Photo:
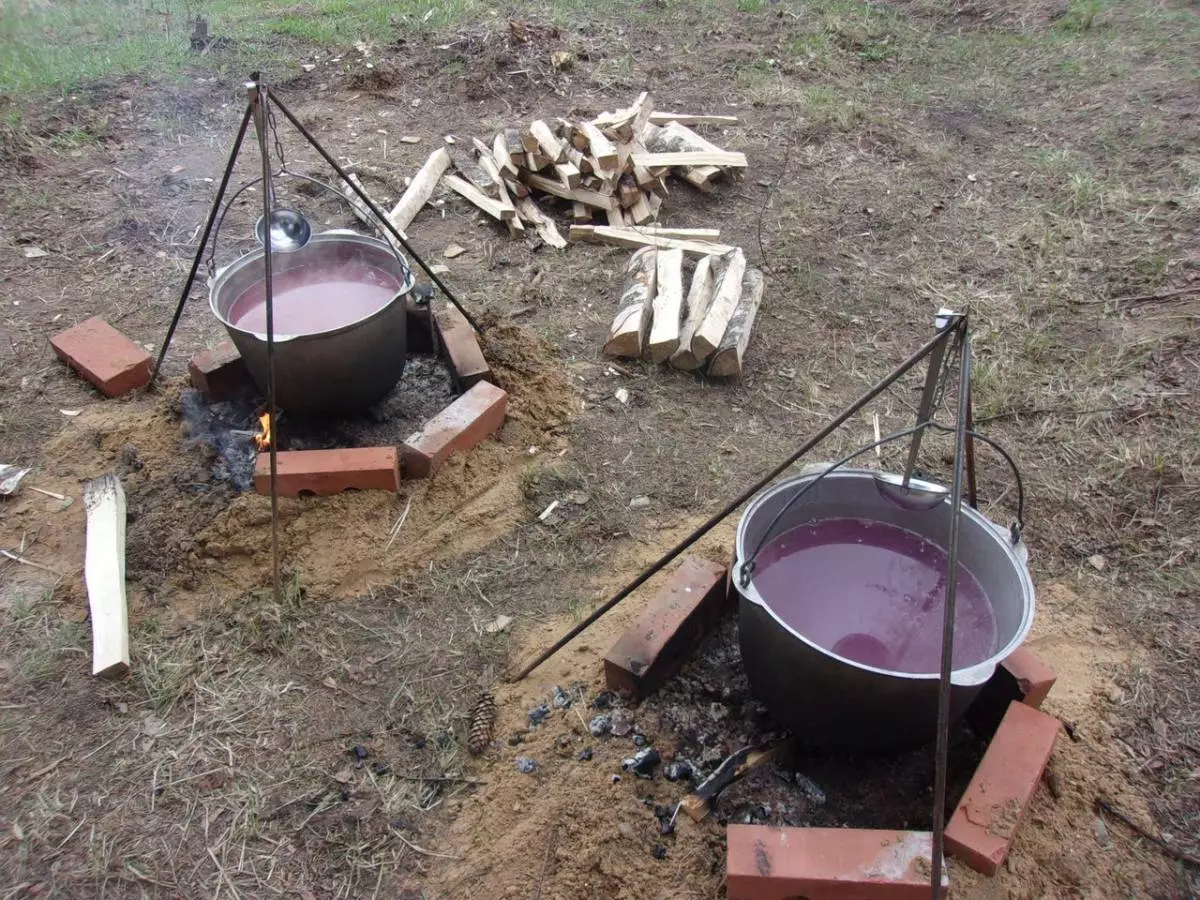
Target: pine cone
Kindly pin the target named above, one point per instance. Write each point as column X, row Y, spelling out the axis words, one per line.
column 483, row 718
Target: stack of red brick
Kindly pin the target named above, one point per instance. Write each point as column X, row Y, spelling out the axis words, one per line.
column 765, row 863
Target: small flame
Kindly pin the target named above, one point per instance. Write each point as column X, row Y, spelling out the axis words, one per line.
column 263, row 440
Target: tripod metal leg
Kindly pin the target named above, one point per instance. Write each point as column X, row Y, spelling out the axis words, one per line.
column 208, row 226
column 932, row 376
column 375, row 210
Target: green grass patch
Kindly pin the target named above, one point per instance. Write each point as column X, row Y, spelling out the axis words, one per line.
column 59, row 46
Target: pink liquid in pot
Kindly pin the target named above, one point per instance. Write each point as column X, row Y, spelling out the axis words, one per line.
column 873, row 593
column 313, row 299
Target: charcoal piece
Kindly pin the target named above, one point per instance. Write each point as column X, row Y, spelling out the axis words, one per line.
column 526, row 766
column 643, row 763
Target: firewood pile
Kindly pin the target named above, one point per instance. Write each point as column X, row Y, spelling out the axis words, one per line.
column 709, row 326
column 610, row 173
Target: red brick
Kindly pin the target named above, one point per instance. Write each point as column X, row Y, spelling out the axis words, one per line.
column 218, row 372
column 470, row 419
column 766, row 863
column 461, row 345
column 329, row 471
column 419, row 331
column 986, row 820
column 1022, row 677
column 104, row 356
column 667, row 632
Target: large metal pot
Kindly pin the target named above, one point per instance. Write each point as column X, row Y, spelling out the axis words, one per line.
column 346, row 368
column 834, row 703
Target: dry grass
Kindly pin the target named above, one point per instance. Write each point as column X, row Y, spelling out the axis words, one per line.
column 1033, row 169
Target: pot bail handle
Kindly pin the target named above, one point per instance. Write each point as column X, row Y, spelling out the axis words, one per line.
column 1016, row 530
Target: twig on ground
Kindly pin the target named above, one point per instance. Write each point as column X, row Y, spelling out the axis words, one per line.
column 422, row 850
column 1104, row 805
column 26, row 562
column 1141, row 298
column 395, row 532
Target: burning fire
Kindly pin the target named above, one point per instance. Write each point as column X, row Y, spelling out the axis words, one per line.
column 262, row 440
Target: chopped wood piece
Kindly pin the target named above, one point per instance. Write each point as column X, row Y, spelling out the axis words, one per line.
column 515, row 227
column 493, row 208
column 698, row 299
column 503, row 185
column 583, row 195
column 631, row 237
column 654, row 201
column 664, row 118
column 568, row 174
column 616, row 218
column 689, row 158
column 544, row 138
column 599, row 147
column 472, row 171
column 627, row 335
column 678, row 138
column 628, row 122
column 420, row 190
column 640, row 212
column 628, row 191
column 529, row 141
column 514, row 146
column 644, row 178
column 727, row 360
column 580, row 212
column 688, row 234
column 711, row 330
column 503, row 158
column 543, row 225
column 536, row 161
column 668, row 305
column 104, row 575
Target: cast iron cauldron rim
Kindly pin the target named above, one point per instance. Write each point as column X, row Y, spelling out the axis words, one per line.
column 968, row 676
column 224, row 275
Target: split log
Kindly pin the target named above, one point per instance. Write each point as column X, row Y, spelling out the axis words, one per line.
column 104, row 575
column 668, row 305
column 536, row 161
column 688, row 234
column 640, row 212
column 420, row 190
column 628, row 192
column 514, row 147
column 545, row 140
column 503, row 158
column 627, row 335
column 543, row 225
column 493, row 208
column 665, row 118
column 632, row 237
column 727, row 361
column 580, row 212
column 583, row 195
column 669, row 160
column 616, row 218
column 699, row 803
column 627, row 123
column 568, row 174
column 711, row 330
column 528, row 141
column 505, row 185
column 676, row 138
column 598, row 147
column 698, row 299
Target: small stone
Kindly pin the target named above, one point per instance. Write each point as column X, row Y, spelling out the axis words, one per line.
column 1101, row 832
column 622, row 396
column 643, row 763
column 526, row 766
column 538, row 715
column 515, row 739
column 453, row 250
column 1097, row 562
column 678, row 770
column 600, row 726
column 622, row 723
column 585, row 755
column 639, row 502
column 627, row 831
column 659, row 851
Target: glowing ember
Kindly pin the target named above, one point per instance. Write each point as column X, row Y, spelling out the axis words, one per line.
column 263, row 440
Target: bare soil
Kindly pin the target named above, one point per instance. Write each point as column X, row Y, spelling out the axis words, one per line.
column 1032, row 162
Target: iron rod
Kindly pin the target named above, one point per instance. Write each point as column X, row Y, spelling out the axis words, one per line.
column 941, row 758
column 208, row 226
column 932, row 377
column 260, row 101
column 874, row 391
column 378, row 213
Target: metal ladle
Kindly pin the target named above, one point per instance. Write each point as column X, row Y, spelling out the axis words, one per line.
column 289, row 230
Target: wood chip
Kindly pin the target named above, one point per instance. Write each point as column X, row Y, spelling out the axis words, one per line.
column 453, row 250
